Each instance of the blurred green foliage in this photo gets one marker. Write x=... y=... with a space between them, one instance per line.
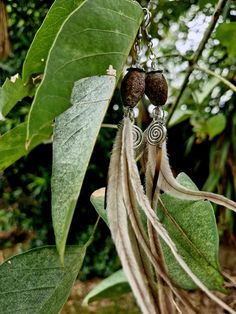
x=24 y=17
x=202 y=144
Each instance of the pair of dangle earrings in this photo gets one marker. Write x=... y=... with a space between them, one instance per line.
x=134 y=85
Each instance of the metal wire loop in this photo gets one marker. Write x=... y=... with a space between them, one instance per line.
x=147 y=17
x=129 y=113
x=158 y=114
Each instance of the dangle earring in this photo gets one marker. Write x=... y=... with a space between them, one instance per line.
x=157 y=92
x=122 y=206
x=132 y=90
x=156 y=89
x=156 y=132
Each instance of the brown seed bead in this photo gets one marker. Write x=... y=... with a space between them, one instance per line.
x=156 y=88
x=133 y=87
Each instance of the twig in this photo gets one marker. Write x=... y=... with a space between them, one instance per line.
x=222 y=79
x=230 y=278
x=91 y=238
x=219 y=7
x=110 y=126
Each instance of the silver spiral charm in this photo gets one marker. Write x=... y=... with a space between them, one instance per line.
x=137 y=136
x=156 y=133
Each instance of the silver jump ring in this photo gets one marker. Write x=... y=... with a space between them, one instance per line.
x=129 y=113
x=158 y=114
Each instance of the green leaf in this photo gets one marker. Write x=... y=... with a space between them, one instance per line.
x=197 y=242
x=208 y=86
x=97 y=34
x=98 y=201
x=75 y=134
x=38 y=52
x=35 y=282
x=11 y=92
x=12 y=144
x=179 y=116
x=215 y=125
x=225 y=32
x=113 y=286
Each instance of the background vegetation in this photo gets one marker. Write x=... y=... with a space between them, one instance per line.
x=202 y=132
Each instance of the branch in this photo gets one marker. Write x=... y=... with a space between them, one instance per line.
x=222 y=79
x=110 y=126
x=219 y=7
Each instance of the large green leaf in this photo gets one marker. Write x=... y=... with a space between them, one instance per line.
x=12 y=144
x=225 y=32
x=38 y=52
x=113 y=286
x=11 y=92
x=75 y=134
x=97 y=34
x=35 y=282
x=197 y=241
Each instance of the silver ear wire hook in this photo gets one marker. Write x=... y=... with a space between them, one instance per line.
x=143 y=32
x=148 y=36
x=147 y=18
x=138 y=49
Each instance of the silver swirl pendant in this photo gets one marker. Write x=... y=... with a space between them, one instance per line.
x=156 y=133
x=137 y=136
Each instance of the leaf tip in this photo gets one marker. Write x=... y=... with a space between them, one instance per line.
x=85 y=302
x=98 y=193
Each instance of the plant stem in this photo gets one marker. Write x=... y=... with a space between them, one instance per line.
x=218 y=10
x=110 y=126
x=222 y=79
x=91 y=238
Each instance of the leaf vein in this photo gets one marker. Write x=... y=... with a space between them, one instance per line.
x=89 y=56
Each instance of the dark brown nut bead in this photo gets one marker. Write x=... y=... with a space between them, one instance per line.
x=156 y=88
x=133 y=87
